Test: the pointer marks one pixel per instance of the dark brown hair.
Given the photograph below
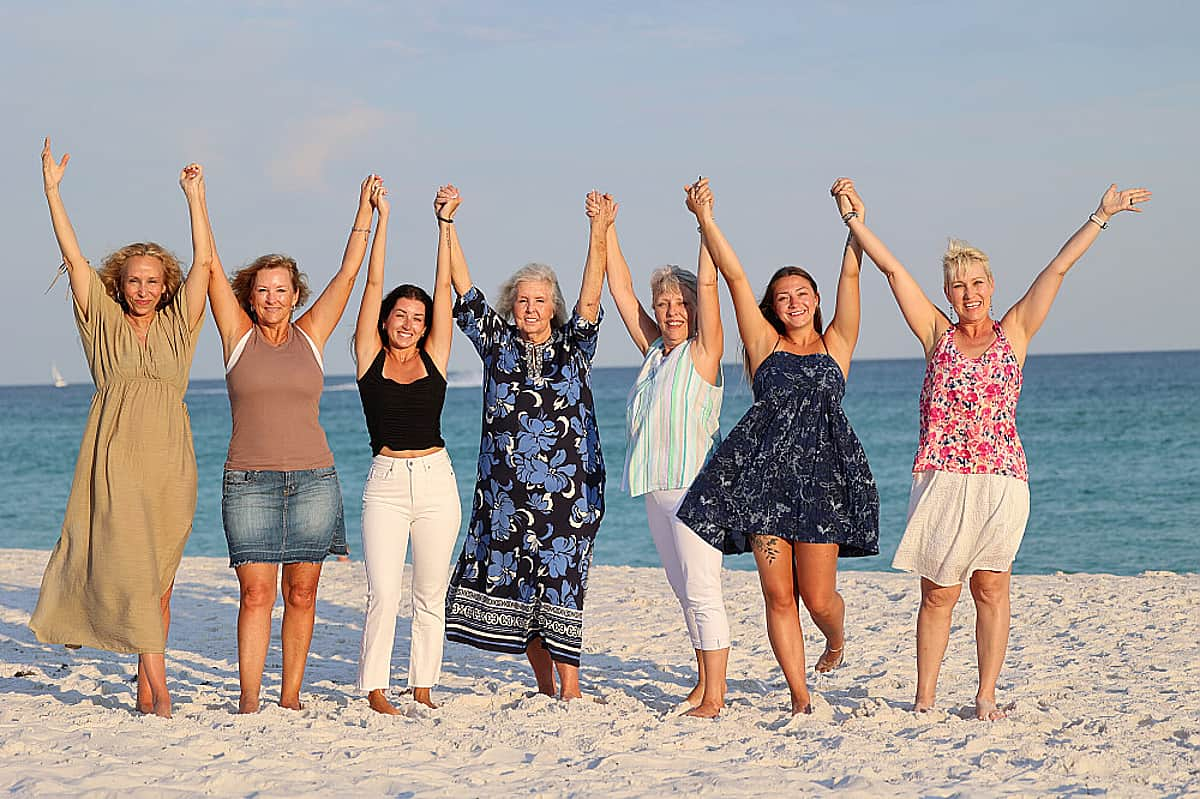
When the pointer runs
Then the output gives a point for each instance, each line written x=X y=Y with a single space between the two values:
x=767 y=305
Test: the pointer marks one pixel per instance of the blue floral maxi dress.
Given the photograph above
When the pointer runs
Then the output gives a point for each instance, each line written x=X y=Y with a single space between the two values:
x=792 y=467
x=539 y=492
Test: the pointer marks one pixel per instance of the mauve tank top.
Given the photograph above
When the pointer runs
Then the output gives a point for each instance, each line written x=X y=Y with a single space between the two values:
x=275 y=397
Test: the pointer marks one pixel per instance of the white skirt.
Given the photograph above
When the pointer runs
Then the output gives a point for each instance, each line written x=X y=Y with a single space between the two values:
x=962 y=523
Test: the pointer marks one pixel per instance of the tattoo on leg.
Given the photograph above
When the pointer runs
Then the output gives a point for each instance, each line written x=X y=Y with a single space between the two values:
x=768 y=545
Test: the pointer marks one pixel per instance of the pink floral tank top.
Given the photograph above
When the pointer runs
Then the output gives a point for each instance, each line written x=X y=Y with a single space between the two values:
x=969 y=411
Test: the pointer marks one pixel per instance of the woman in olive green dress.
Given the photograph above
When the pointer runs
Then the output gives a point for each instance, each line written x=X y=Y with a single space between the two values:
x=108 y=583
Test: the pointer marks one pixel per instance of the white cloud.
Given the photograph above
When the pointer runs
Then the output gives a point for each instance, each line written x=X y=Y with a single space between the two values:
x=313 y=143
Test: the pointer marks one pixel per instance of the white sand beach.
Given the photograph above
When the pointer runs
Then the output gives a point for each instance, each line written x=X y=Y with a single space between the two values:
x=1104 y=673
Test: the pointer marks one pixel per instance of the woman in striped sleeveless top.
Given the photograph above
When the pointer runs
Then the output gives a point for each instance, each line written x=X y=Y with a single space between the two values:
x=970 y=493
x=673 y=422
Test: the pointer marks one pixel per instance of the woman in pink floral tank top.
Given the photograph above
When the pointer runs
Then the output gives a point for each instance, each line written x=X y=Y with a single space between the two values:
x=970 y=494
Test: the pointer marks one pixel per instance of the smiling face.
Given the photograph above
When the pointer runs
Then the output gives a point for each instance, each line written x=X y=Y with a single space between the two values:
x=795 y=301
x=405 y=324
x=142 y=285
x=970 y=292
x=674 y=310
x=273 y=296
x=533 y=309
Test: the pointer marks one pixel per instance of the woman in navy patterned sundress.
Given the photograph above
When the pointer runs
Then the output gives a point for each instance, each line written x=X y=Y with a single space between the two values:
x=520 y=581
x=791 y=482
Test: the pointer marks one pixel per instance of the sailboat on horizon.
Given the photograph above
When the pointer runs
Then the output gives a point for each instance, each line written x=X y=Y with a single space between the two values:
x=56 y=377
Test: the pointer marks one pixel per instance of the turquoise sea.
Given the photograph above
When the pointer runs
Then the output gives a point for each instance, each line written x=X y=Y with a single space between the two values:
x=1113 y=443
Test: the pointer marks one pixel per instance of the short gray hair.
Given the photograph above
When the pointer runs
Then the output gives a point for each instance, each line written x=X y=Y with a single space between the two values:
x=531 y=272
x=669 y=277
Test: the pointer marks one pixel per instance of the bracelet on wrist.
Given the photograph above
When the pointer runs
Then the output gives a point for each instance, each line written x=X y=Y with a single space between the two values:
x=360 y=230
x=846 y=217
x=441 y=218
x=1096 y=219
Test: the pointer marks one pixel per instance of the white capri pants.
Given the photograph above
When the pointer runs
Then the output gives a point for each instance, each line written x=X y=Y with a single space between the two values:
x=693 y=570
x=403 y=498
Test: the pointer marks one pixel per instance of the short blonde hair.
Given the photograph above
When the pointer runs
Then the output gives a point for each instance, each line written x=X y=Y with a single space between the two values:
x=958 y=256
x=536 y=273
x=113 y=267
x=243 y=280
x=671 y=277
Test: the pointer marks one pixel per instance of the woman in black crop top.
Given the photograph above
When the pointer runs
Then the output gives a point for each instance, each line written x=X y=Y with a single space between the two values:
x=402 y=347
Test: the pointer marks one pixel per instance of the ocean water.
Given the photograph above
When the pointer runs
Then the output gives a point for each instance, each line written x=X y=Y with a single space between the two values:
x=1113 y=443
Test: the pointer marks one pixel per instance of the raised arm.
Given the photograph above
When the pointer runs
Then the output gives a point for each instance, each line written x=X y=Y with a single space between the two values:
x=923 y=317
x=441 y=327
x=601 y=211
x=77 y=266
x=1025 y=318
x=191 y=180
x=841 y=335
x=757 y=334
x=324 y=315
x=460 y=275
x=641 y=325
x=366 y=330
x=710 y=333
x=231 y=319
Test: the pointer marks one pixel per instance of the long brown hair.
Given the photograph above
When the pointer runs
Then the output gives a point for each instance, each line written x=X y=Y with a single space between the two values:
x=767 y=306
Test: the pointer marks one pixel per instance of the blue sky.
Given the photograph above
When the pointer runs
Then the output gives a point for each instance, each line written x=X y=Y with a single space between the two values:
x=998 y=123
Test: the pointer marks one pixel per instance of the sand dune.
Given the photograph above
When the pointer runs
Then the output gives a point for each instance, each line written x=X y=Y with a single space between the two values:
x=1103 y=672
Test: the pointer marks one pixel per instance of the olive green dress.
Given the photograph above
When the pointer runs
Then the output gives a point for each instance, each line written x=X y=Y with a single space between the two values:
x=134 y=491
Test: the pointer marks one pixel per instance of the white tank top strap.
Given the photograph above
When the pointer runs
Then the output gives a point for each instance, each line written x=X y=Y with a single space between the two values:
x=237 y=350
x=316 y=351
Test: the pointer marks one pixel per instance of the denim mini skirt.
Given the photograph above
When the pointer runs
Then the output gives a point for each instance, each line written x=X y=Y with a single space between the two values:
x=283 y=517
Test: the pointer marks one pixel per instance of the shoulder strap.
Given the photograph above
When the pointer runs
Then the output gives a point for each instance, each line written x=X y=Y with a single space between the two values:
x=237 y=350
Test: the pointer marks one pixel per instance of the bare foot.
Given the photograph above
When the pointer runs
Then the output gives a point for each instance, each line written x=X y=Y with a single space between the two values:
x=830 y=659
x=987 y=710
x=696 y=696
x=162 y=707
x=705 y=710
x=380 y=704
x=248 y=704
x=422 y=695
x=567 y=696
x=921 y=706
x=801 y=704
x=291 y=703
x=145 y=707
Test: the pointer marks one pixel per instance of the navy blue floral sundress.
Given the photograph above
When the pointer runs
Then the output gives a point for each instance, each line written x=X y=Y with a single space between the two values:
x=792 y=467
x=539 y=492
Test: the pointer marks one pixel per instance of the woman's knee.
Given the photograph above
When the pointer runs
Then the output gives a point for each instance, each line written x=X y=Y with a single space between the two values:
x=257 y=596
x=301 y=595
x=989 y=588
x=939 y=598
x=821 y=602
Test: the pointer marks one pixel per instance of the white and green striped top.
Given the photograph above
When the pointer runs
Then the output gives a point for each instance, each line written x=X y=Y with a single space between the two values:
x=672 y=421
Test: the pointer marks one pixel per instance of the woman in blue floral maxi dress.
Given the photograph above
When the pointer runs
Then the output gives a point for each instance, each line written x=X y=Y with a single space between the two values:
x=520 y=581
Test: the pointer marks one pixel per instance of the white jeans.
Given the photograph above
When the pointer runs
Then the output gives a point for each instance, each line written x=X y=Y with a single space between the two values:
x=693 y=570
x=403 y=495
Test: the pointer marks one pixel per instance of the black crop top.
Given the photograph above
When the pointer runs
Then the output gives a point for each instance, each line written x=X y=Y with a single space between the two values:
x=403 y=416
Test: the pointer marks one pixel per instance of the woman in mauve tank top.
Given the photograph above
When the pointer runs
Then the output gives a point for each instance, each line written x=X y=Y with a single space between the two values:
x=281 y=503
x=970 y=495
x=402 y=348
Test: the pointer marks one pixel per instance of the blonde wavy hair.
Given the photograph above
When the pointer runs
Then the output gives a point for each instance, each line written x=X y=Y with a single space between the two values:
x=112 y=270
x=243 y=280
x=958 y=256
x=538 y=273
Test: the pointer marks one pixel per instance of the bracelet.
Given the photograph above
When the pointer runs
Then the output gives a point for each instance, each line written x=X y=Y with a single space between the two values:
x=1096 y=219
x=848 y=216
x=360 y=230
x=441 y=218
